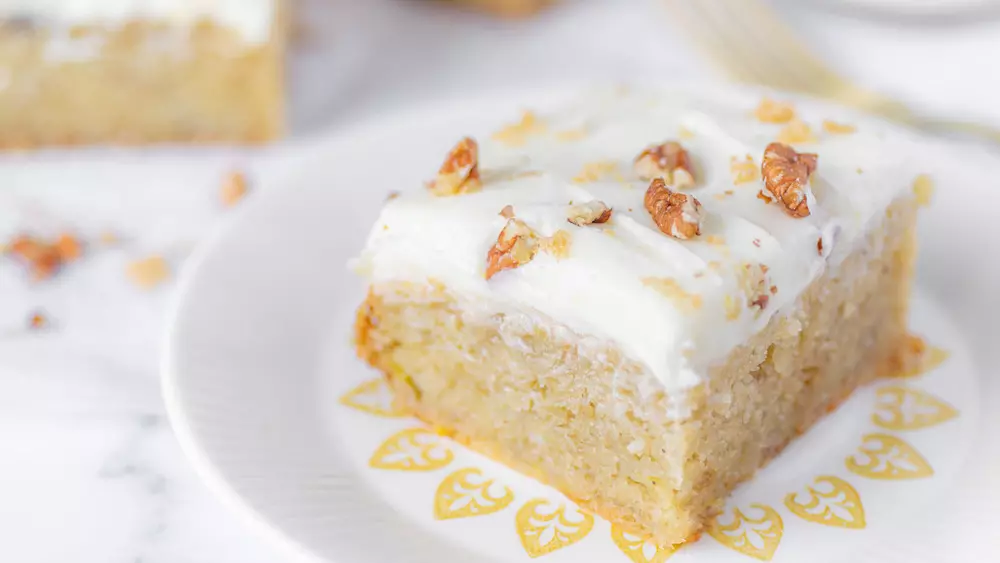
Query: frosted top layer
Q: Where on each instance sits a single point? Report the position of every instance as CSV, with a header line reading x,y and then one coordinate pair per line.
x,y
251,18
679,306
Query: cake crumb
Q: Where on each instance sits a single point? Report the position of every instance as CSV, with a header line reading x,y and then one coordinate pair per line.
x,y
234,188
594,171
148,273
838,128
923,189
557,245
108,238
669,288
517,134
684,133
732,308
715,240
743,171
570,135
796,132
771,111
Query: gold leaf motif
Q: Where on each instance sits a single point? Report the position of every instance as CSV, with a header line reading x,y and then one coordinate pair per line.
x,y
413,449
545,526
756,537
904,408
831,502
467,492
373,397
882,456
640,550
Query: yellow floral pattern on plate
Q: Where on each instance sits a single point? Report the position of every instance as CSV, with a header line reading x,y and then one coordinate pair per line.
x,y
638,549
545,526
830,501
756,537
413,449
467,492
373,397
905,408
883,456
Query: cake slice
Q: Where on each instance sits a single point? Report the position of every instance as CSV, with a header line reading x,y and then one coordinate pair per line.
x,y
137,72
642,298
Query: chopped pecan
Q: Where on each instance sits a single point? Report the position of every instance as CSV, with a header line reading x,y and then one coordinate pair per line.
x,y
507,212
669,161
592,212
786,175
516,245
676,214
754,284
460,172
44,259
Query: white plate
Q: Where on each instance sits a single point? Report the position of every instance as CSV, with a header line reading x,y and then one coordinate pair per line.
x,y
257,363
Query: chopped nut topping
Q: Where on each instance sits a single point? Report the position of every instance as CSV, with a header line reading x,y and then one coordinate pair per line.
x,y
391,195
557,245
517,134
923,188
819,245
571,135
148,272
460,172
669,288
676,214
516,245
594,171
234,187
796,132
507,212
44,259
592,212
764,197
838,128
37,321
786,175
743,171
669,161
770,111
68,248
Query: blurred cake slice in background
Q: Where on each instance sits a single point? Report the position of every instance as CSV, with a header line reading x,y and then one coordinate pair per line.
x,y
76,72
507,8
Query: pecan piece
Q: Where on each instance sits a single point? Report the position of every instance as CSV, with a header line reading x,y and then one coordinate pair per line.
x,y
590,213
786,175
669,161
516,245
676,214
460,172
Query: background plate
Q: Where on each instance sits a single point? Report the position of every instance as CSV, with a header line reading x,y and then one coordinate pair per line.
x,y
258,361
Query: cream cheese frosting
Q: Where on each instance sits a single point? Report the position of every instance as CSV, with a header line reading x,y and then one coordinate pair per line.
x,y
251,18
678,306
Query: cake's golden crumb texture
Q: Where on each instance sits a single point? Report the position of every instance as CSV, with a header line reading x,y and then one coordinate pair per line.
x,y
145,82
576,413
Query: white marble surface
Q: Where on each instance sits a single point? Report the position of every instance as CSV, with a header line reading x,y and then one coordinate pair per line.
x,y
91,472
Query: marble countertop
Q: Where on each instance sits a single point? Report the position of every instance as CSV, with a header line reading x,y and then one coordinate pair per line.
x,y
92,472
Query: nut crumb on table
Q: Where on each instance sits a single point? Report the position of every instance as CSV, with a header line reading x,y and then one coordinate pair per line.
x,y
148,273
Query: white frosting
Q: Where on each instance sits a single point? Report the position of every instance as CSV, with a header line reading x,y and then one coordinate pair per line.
x,y
598,290
251,18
